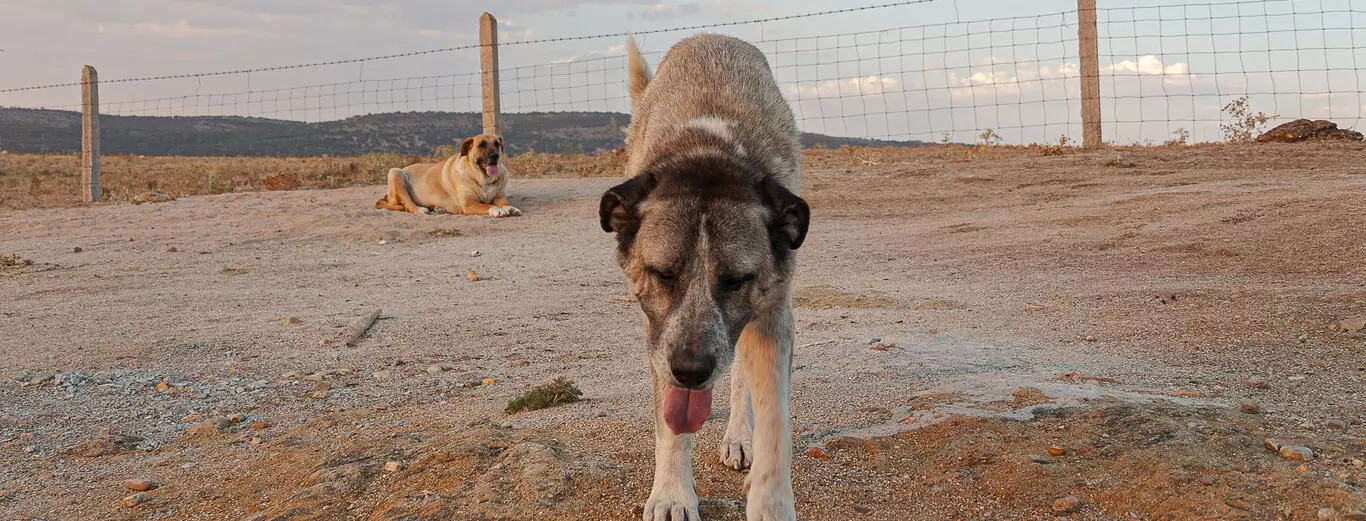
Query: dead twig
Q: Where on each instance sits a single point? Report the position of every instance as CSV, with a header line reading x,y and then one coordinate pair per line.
x,y
362,328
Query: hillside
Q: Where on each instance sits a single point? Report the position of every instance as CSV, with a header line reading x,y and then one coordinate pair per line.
x,y
54,132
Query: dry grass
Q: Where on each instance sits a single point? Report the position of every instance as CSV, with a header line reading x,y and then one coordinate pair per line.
x,y
47,181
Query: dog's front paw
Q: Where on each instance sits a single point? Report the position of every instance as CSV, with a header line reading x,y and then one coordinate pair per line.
x,y
420,209
437,210
512,210
675,504
737,452
768,500
497,211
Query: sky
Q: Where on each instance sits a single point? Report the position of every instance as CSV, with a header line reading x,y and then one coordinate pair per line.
x,y
936,70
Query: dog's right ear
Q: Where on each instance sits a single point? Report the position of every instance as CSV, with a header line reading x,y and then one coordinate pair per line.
x,y
618,209
465,146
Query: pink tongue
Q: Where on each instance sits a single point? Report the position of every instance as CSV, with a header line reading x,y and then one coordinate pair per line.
x,y
491,170
685,411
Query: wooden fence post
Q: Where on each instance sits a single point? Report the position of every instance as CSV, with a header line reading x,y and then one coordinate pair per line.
x,y
1089,49
90,136
488,67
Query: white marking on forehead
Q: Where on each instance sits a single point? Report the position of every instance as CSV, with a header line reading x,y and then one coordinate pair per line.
x,y
717,126
703,244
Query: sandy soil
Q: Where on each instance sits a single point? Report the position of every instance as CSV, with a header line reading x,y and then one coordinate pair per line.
x,y
1117,307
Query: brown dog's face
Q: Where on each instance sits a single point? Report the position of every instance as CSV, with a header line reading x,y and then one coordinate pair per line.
x,y
486,151
706,250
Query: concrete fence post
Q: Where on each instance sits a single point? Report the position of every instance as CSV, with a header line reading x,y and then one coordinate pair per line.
x,y
488,67
90,136
1089,49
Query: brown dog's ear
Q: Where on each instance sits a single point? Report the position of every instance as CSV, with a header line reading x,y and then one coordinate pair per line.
x,y
791,215
617,212
465,146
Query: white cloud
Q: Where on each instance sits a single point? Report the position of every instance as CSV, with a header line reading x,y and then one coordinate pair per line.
x,y
1147,65
666,12
859,86
182,29
615,50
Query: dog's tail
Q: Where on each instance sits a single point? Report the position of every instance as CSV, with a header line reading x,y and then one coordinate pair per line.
x,y
636,69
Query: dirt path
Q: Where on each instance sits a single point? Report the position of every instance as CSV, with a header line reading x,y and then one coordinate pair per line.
x,y
1171,292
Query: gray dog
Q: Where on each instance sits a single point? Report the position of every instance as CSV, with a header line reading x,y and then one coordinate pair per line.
x,y
706,227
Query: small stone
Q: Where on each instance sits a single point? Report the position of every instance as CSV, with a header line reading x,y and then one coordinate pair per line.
x,y
323,341
289,321
191,418
45,475
507,425
817,453
1067,505
1337,425
1327,514
475,253
393,466
1302,469
322,386
1255,383
1296,453
172,249
600,414
163,387
1358,463
1249,408
434,369
255,441
1297,378
382,242
136,499
256,426
1088,338
474,277
382,375
1035,307
319,395
236,417
1056,451
138,485
489,381
76,249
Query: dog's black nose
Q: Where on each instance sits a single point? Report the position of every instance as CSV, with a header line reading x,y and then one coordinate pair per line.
x,y
692,370
493,158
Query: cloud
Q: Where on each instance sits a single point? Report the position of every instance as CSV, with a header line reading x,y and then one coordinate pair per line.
x,y
667,13
182,29
859,86
1147,65
615,50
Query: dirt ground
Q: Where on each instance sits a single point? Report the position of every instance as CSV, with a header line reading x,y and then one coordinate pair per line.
x,y
982,333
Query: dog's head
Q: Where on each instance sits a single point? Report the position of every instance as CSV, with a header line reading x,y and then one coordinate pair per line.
x,y
707,245
485,151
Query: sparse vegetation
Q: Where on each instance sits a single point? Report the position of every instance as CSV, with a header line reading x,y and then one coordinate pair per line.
x,y
559,392
989,138
1243,125
1179,138
1054,150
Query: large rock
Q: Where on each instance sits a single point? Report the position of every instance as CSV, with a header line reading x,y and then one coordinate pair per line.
x,y
1306,130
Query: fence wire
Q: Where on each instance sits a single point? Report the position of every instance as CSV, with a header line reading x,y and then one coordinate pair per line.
x,y
1168,73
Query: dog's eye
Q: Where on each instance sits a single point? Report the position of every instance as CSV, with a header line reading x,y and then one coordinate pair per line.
x,y
734,283
663,275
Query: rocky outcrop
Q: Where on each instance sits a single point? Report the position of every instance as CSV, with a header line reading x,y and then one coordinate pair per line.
x,y
1307,130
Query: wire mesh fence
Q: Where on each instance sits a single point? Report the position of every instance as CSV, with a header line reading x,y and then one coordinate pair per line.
x,y
1173,72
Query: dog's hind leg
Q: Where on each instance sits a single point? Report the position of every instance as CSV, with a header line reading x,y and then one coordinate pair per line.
x,y
399,194
674,494
737,448
765,348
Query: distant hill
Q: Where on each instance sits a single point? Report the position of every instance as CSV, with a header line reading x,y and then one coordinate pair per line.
x,y
409,133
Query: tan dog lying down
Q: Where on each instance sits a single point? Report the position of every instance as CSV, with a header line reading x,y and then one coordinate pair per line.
x,y
471,183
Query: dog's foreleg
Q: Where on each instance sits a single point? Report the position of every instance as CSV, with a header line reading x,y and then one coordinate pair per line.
x,y
502,202
674,495
765,347
737,448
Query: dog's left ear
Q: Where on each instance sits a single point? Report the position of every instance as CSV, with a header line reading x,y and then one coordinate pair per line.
x,y
617,212
790,215
465,146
